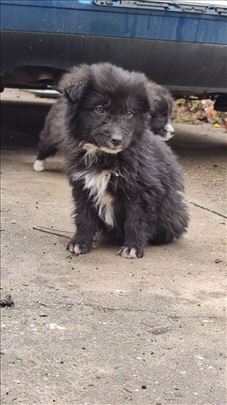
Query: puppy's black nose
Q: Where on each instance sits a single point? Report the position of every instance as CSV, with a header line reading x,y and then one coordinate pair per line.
x,y
116,141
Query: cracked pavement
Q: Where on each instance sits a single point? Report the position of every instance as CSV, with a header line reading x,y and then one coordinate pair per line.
x,y
97,329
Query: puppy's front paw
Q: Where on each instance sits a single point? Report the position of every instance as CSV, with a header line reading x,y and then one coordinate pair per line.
x,y
131,253
78,248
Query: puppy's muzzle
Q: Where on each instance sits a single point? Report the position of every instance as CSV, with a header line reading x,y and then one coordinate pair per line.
x,y
168,131
116,140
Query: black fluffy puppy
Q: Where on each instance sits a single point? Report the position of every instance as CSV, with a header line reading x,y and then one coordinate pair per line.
x,y
125,180
52,136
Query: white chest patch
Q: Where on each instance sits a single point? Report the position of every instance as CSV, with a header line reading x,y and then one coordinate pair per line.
x,y
97,184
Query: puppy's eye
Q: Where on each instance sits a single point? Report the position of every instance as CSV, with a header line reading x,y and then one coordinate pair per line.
x,y
100,109
130,114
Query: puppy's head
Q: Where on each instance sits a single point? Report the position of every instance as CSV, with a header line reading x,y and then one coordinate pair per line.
x,y
161,106
108,107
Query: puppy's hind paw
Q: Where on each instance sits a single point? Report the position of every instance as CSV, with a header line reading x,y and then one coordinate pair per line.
x,y
130,253
78,248
38,166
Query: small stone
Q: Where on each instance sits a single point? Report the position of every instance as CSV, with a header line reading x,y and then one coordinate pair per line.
x,y
218,260
7,301
159,330
144,387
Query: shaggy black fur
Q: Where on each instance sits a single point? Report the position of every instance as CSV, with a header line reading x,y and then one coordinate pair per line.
x,y
52,136
125,180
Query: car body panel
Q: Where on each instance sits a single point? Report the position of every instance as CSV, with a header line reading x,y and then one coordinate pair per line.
x,y
186,51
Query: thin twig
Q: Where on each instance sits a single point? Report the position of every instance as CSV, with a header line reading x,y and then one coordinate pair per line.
x,y
130,392
37,228
53,229
207,209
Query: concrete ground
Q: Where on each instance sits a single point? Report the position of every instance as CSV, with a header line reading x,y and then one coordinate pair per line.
x,y
98,329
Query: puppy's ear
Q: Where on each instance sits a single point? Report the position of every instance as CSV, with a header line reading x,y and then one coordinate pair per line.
x,y
158,96
76,91
74,83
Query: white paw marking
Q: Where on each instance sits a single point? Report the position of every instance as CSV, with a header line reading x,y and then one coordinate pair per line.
x,y
38,166
128,254
75,249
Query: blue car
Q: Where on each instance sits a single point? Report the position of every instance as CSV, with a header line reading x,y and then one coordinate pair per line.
x,y
179,44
